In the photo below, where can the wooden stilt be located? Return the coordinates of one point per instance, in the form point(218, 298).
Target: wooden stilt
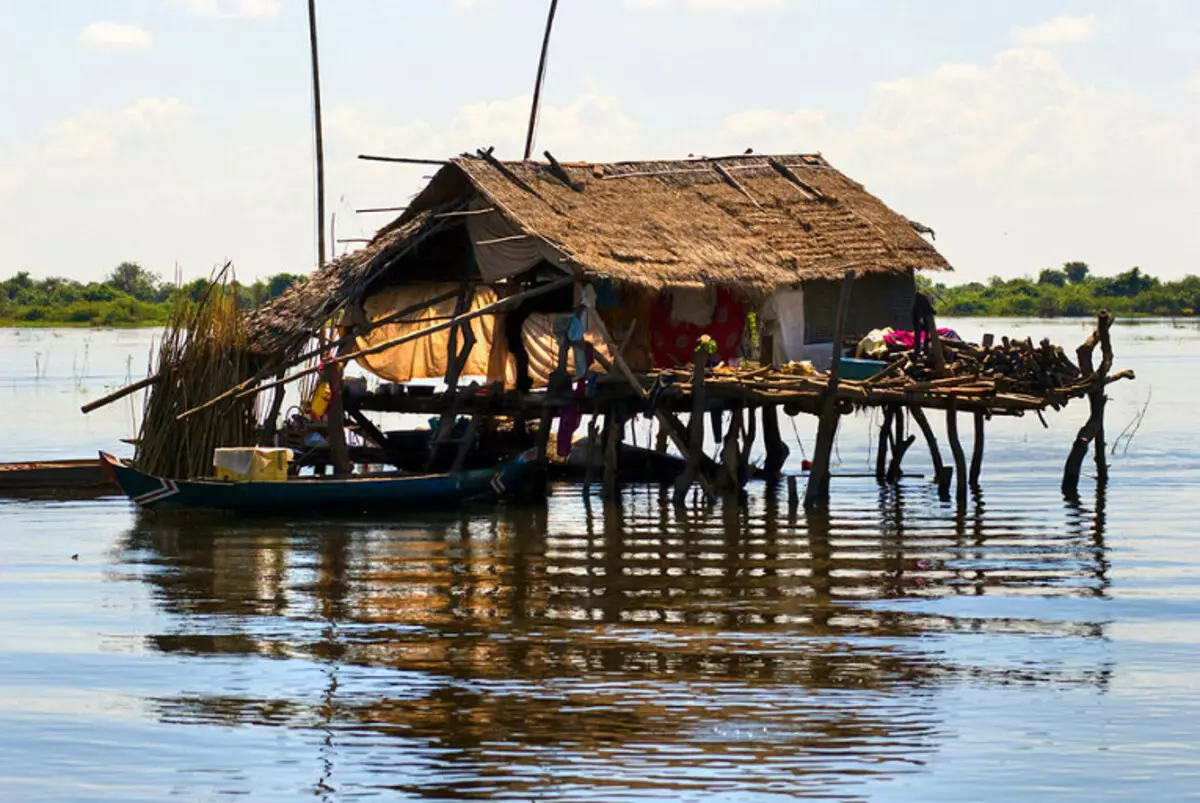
point(935, 454)
point(335, 432)
point(749, 433)
point(590, 468)
point(960, 459)
point(777, 450)
point(816, 494)
point(1097, 402)
point(613, 427)
point(695, 430)
point(793, 492)
point(730, 455)
point(977, 452)
point(1093, 428)
point(900, 445)
point(885, 437)
point(554, 390)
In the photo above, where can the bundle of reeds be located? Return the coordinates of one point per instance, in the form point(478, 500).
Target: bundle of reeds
point(203, 352)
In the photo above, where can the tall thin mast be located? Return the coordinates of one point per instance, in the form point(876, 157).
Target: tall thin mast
point(541, 77)
point(320, 138)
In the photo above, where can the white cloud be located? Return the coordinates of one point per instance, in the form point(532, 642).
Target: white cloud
point(96, 134)
point(470, 5)
point(1193, 83)
point(114, 37)
point(766, 130)
point(1014, 161)
point(592, 126)
point(713, 5)
point(1058, 31)
point(229, 9)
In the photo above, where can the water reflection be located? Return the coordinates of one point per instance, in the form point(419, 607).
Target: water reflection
point(526, 649)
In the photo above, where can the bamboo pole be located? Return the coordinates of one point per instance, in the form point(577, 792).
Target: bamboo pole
point(816, 494)
point(320, 137)
point(121, 393)
point(541, 79)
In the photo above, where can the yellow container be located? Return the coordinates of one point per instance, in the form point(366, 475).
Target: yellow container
point(252, 464)
point(320, 400)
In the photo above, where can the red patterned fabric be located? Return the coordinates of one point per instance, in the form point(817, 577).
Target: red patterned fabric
point(673, 344)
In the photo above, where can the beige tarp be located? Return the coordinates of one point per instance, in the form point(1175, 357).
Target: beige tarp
point(500, 260)
point(426, 357)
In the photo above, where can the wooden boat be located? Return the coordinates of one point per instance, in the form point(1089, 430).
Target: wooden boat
point(52, 477)
point(331, 496)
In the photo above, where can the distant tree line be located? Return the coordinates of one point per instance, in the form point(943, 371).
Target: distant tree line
point(129, 296)
point(1071, 290)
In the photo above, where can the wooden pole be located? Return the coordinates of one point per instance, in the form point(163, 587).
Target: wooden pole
point(730, 454)
point(695, 429)
point(935, 454)
point(613, 429)
point(589, 467)
point(881, 451)
point(335, 429)
point(541, 78)
point(320, 137)
point(960, 459)
point(816, 494)
point(777, 450)
point(977, 452)
point(121, 393)
point(1093, 428)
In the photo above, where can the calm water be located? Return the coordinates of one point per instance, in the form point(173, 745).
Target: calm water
point(893, 650)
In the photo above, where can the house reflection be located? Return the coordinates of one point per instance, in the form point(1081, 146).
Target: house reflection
point(584, 629)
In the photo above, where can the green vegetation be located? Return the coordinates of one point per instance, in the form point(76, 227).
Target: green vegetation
point(1067, 291)
point(129, 296)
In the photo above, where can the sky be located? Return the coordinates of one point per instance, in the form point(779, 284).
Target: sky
point(178, 133)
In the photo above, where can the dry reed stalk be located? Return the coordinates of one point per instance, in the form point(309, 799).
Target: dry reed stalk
point(203, 351)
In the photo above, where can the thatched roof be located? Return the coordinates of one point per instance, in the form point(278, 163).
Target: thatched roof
point(753, 223)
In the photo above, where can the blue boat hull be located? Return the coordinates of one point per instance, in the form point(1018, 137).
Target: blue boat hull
point(331, 496)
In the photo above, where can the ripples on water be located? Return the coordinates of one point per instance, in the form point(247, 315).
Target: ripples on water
point(895, 649)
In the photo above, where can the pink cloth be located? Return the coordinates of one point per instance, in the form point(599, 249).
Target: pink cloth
point(900, 339)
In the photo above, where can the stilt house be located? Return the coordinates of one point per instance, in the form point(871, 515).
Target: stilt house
point(671, 250)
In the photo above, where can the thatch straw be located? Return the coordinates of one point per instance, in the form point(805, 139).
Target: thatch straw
point(758, 224)
point(203, 352)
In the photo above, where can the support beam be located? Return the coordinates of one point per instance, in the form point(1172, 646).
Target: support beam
point(1093, 428)
point(885, 441)
point(589, 468)
point(960, 458)
point(777, 449)
point(695, 430)
point(816, 494)
point(935, 454)
point(900, 445)
point(613, 429)
point(977, 452)
point(335, 431)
